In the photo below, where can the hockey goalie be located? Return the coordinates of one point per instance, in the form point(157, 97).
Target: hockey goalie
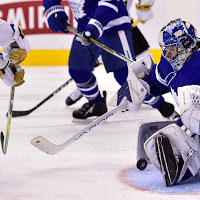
point(173, 149)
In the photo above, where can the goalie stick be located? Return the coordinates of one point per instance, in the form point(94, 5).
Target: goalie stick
point(5, 138)
point(18, 113)
point(46, 146)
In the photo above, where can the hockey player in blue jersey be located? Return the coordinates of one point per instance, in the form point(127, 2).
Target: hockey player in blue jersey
point(174, 149)
point(103, 20)
point(109, 22)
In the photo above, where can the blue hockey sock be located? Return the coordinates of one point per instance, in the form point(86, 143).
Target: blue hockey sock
point(86, 82)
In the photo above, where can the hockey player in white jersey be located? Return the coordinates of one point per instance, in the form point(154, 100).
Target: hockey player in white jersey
point(16, 47)
point(174, 149)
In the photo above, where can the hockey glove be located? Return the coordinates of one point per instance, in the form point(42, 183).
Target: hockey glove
point(94, 29)
point(56, 17)
point(144, 12)
point(11, 75)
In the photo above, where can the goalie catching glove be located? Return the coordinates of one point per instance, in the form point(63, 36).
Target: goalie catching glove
point(10, 74)
point(189, 104)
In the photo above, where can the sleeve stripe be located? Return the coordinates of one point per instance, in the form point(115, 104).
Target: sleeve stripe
point(158, 77)
point(115, 8)
point(116, 22)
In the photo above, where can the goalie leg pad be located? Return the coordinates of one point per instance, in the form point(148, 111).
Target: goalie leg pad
point(145, 131)
point(166, 158)
point(184, 147)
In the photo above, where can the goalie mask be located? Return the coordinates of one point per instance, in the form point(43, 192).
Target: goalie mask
point(178, 41)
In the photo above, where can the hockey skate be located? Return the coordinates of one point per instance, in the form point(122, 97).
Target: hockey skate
point(167, 110)
point(73, 97)
point(90, 110)
point(76, 94)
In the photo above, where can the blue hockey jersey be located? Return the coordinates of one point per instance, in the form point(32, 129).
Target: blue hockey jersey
point(112, 14)
point(163, 79)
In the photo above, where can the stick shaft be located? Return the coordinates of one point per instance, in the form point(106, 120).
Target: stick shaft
point(4, 139)
point(102, 46)
point(17, 113)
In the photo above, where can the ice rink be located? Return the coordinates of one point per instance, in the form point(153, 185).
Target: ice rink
point(99, 166)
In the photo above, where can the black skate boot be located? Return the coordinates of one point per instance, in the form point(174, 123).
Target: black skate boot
point(89, 110)
point(73, 97)
point(167, 110)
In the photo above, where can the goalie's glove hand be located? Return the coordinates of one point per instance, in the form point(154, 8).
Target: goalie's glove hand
point(94, 30)
point(9, 73)
point(144, 11)
point(56, 17)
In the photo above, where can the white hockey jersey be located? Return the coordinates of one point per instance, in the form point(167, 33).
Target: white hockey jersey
point(6, 34)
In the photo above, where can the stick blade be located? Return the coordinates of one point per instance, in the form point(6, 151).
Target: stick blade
point(19, 113)
point(2, 142)
point(43, 145)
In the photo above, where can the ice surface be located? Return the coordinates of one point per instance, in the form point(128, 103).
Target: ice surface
point(92, 168)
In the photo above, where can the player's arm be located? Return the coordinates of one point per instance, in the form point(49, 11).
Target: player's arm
point(18, 47)
point(157, 83)
point(13, 42)
point(106, 11)
point(56, 15)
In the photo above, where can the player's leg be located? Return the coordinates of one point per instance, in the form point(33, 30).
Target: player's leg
point(121, 42)
point(81, 71)
point(76, 94)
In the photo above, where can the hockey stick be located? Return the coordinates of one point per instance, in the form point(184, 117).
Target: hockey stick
point(18, 113)
point(134, 24)
point(4, 139)
point(46, 146)
point(102, 46)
